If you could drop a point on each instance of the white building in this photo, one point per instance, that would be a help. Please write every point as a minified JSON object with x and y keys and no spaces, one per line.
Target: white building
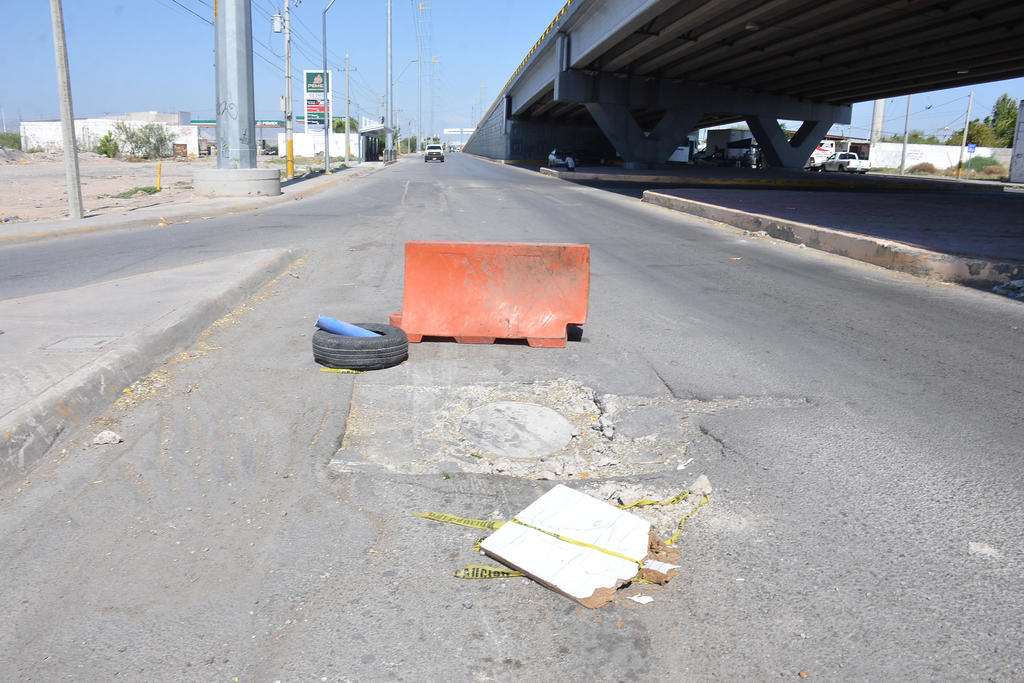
{"x":312,"y":144}
{"x":47,"y":135}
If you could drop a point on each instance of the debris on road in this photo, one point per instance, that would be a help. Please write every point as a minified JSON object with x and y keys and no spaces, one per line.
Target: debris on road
{"x":573,"y":544}
{"x":366,"y":346}
{"x":107,"y":437}
{"x":1013,"y":289}
{"x":335,"y":326}
{"x":578,"y":545}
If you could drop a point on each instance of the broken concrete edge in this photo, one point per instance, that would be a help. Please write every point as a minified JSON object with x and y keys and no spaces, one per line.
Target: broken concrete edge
{"x":889,"y":254}
{"x":813,"y":181}
{"x":27,"y":433}
{"x":112,"y":223}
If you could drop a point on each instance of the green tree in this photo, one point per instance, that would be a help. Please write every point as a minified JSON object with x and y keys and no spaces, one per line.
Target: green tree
{"x":107,"y":146}
{"x":10,"y":140}
{"x":916,"y":137}
{"x":1004,"y":120}
{"x":148,"y":141}
{"x":995,"y":130}
{"x":979,"y":132}
{"x":339,"y":125}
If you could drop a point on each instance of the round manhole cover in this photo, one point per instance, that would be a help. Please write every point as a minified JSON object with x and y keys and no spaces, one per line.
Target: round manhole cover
{"x":517,"y":430}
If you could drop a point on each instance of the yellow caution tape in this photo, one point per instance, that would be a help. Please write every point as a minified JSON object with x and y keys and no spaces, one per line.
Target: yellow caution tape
{"x":477,"y":571}
{"x":481,"y":572}
{"x":582,"y":544}
{"x":461,"y":521}
{"x":344,"y":371}
{"x":679,"y":498}
{"x":679,"y":529}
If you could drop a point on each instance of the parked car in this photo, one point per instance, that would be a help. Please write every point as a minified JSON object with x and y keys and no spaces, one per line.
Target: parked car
{"x":557,"y":157}
{"x":584,"y":158}
{"x":846,"y":162}
{"x":433,"y":153}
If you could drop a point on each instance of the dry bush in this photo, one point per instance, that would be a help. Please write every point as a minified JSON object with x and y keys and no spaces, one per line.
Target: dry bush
{"x":995,"y":171}
{"x":923,"y":167}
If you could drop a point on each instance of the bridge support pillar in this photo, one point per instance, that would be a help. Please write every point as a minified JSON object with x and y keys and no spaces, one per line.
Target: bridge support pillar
{"x":639,"y":149}
{"x":780,"y":152}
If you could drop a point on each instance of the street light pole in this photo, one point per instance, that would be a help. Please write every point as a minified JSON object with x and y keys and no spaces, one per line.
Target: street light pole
{"x":389,"y":143}
{"x":67,"y":115}
{"x":963,"y":142}
{"x":347,"y":145}
{"x":906,"y":133}
{"x":327,"y":99}
{"x":289,"y":144}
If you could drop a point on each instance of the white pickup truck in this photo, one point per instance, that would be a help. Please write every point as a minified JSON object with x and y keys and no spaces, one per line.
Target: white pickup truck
{"x":846,"y":162}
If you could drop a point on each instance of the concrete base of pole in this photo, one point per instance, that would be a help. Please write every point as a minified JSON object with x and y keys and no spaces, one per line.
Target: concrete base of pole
{"x":237,"y":182}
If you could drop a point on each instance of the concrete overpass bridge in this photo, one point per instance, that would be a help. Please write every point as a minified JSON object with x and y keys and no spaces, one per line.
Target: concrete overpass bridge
{"x":637,"y":76}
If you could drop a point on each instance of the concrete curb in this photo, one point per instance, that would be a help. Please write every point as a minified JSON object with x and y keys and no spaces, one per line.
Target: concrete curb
{"x":173,"y":213}
{"x":898,"y":256}
{"x":814,"y":181}
{"x":27,"y":432}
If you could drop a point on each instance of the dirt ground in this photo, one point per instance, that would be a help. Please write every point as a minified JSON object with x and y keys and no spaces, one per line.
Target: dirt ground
{"x":33,"y":186}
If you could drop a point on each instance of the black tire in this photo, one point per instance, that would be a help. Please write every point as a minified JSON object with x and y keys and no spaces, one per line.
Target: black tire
{"x":361,"y":353}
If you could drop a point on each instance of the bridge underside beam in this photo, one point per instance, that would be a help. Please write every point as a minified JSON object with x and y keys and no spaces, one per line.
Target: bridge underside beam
{"x":610,"y":98}
{"x":637,"y":147}
{"x":783,"y":153}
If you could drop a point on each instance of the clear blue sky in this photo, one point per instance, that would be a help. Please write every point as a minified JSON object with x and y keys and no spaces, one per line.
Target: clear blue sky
{"x":139,"y":55}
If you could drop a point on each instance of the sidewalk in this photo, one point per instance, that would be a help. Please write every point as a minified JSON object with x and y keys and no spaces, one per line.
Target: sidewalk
{"x":967,"y":232}
{"x":65,"y":355}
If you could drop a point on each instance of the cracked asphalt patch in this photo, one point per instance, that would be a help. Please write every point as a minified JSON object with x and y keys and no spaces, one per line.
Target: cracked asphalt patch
{"x":422,"y":430}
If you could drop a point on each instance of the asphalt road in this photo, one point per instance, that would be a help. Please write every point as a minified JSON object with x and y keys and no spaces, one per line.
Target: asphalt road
{"x":861,"y":431}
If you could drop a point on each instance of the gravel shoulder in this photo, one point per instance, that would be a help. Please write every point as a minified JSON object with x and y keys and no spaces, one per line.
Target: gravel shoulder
{"x":33,"y":186}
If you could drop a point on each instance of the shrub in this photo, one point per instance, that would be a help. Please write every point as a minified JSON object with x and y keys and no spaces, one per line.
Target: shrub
{"x":128,"y":194}
{"x":995,"y":170}
{"x":923,"y":167}
{"x":148,"y":141}
{"x":107,"y":146}
{"x":10,"y":140}
{"x":978,"y":163}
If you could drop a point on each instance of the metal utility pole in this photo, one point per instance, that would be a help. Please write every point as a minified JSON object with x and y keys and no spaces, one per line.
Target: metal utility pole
{"x":433,"y":78}
{"x":288,"y":125}
{"x":327,"y":100}
{"x":236,"y":108}
{"x":67,"y":115}
{"x":389,"y":142}
{"x":347,"y":145}
{"x":419,"y":77}
{"x":906,"y":133}
{"x":963,"y":142}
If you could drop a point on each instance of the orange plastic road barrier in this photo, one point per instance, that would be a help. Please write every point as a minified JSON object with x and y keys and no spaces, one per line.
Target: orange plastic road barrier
{"x":477,"y":292}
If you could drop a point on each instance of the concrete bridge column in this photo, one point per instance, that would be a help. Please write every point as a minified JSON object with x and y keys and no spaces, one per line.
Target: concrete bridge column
{"x":783,"y":153}
{"x":640,"y":149}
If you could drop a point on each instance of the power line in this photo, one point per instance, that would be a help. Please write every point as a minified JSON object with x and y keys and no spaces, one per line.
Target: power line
{"x":199,"y":16}
{"x":276,"y":66}
{"x":194,"y":14}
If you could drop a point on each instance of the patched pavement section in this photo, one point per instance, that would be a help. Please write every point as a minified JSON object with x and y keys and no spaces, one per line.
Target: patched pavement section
{"x":554,"y":430}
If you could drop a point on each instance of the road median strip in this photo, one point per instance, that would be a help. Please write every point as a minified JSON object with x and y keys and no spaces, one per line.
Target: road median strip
{"x":890,"y":254}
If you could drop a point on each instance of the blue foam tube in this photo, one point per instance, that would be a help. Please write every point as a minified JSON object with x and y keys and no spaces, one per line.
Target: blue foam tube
{"x":338,"y":327}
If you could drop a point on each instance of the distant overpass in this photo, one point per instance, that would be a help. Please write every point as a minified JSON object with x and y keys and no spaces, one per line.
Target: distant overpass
{"x":637,"y":76}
